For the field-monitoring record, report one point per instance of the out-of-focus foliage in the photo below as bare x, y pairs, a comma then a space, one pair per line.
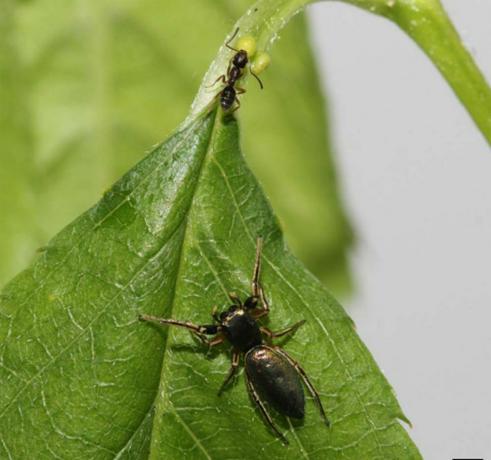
18, 225
91, 85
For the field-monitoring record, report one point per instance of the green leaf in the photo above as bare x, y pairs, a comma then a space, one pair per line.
428, 24
107, 79
286, 140
82, 378
18, 238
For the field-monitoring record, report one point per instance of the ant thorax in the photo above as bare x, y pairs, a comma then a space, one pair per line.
234, 74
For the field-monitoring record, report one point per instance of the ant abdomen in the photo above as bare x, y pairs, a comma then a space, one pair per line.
227, 97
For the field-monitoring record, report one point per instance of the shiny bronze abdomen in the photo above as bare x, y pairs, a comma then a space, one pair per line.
276, 380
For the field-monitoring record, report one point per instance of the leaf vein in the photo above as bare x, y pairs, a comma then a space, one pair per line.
191, 434
76, 244
160, 404
82, 333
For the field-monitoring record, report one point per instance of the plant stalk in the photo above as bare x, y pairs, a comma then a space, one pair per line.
425, 21
428, 24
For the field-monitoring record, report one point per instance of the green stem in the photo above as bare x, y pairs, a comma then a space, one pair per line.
425, 21
263, 21
428, 24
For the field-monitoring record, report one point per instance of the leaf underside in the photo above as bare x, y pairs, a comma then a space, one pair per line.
82, 378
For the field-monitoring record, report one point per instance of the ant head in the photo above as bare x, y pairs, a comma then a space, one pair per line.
240, 60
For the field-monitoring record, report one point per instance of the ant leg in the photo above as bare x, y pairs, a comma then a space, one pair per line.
306, 380
240, 90
198, 330
238, 105
233, 369
257, 78
230, 39
289, 330
221, 77
262, 408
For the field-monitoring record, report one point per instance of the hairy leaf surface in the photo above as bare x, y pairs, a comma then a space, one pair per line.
82, 378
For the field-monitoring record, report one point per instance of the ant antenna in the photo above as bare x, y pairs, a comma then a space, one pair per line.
257, 78
230, 39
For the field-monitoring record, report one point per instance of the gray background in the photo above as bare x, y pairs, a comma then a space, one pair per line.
416, 174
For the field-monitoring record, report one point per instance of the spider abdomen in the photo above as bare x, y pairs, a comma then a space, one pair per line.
276, 380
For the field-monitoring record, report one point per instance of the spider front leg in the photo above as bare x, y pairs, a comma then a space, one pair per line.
256, 288
264, 303
234, 298
214, 314
201, 331
257, 268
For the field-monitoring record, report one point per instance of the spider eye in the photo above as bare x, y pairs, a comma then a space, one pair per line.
251, 303
223, 315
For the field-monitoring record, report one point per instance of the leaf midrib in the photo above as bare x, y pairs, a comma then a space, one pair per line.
162, 403
159, 406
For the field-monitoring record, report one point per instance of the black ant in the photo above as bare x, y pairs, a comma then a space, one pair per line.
235, 71
271, 374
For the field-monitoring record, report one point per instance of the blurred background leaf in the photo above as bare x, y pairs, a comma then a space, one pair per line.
91, 85
17, 229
